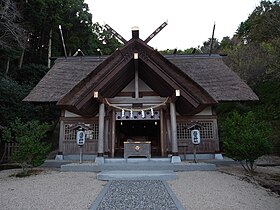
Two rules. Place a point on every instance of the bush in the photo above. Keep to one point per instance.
(245, 139)
(31, 151)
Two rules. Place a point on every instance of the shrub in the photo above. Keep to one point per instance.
(31, 151)
(245, 139)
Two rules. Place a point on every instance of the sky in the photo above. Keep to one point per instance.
(190, 22)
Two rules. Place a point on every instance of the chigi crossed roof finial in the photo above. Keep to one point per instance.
(123, 40)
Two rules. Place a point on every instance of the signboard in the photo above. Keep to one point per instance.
(81, 138)
(195, 134)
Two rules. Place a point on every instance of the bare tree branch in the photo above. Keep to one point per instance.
(12, 34)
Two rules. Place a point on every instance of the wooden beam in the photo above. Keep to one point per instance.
(128, 100)
(106, 79)
(170, 79)
(116, 34)
(156, 32)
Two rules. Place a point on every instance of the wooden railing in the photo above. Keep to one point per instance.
(9, 149)
(206, 146)
(71, 147)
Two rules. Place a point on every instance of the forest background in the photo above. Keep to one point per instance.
(29, 35)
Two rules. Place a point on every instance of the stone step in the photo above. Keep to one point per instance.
(136, 175)
(93, 167)
(137, 160)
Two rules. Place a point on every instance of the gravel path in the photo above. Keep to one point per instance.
(74, 190)
(136, 194)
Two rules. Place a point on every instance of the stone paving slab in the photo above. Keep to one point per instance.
(137, 195)
(136, 175)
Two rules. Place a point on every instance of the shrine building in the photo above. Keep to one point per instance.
(139, 95)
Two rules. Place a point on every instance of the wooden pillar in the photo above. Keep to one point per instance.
(215, 135)
(61, 132)
(162, 144)
(100, 150)
(106, 136)
(136, 76)
(173, 129)
(61, 135)
(113, 129)
(168, 125)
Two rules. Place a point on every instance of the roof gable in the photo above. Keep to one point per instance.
(202, 79)
(115, 73)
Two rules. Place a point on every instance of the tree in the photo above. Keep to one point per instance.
(104, 40)
(255, 51)
(13, 92)
(206, 46)
(31, 150)
(263, 24)
(12, 34)
(250, 61)
(245, 139)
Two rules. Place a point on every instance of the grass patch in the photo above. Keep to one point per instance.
(8, 166)
(32, 172)
(276, 178)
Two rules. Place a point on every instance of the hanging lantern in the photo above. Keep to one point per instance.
(152, 112)
(131, 113)
(122, 112)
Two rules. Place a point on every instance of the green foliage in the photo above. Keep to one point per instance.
(245, 138)
(254, 52)
(30, 74)
(11, 95)
(268, 107)
(263, 24)
(191, 51)
(43, 18)
(104, 40)
(207, 44)
(31, 150)
(11, 105)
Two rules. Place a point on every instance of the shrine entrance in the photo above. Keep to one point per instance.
(138, 131)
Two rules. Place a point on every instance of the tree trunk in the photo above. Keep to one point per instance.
(50, 49)
(21, 59)
(7, 66)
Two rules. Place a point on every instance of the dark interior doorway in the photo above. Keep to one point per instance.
(138, 130)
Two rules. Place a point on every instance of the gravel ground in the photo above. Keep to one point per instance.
(215, 190)
(74, 190)
(49, 190)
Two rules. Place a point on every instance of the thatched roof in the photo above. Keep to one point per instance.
(62, 77)
(214, 76)
(209, 72)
